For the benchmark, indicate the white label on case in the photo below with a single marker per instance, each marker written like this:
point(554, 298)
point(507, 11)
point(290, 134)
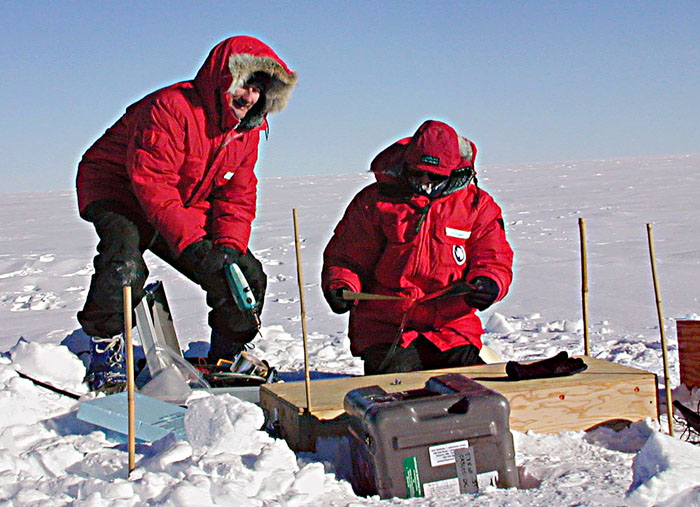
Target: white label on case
point(446, 487)
point(444, 454)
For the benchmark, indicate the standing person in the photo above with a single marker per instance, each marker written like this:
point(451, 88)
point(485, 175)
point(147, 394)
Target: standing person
point(424, 228)
point(175, 175)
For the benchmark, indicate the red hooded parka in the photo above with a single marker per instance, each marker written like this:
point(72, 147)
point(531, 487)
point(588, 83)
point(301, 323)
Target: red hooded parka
point(399, 243)
point(181, 160)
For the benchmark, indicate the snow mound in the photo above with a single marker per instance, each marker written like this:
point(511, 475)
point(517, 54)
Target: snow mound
point(666, 468)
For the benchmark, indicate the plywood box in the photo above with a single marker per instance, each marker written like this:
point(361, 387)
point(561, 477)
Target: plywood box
point(604, 392)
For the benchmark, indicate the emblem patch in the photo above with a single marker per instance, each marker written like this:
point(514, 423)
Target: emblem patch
point(430, 160)
point(459, 254)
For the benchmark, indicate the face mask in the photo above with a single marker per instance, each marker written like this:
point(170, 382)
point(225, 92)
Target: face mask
point(425, 183)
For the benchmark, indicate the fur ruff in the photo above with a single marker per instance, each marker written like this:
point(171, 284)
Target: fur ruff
point(278, 91)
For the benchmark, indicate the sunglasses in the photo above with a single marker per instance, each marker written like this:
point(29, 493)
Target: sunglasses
point(418, 174)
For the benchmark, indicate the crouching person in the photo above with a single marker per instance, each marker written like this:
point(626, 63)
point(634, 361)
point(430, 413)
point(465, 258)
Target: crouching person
point(175, 175)
point(425, 232)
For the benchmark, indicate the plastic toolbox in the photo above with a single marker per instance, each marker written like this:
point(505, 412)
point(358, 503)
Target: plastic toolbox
point(449, 437)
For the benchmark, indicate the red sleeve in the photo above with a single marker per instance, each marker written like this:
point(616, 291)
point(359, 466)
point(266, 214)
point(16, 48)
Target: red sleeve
point(355, 246)
point(488, 251)
point(234, 204)
point(154, 157)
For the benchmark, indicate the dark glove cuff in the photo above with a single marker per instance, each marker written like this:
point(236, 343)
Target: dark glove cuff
point(231, 254)
point(196, 251)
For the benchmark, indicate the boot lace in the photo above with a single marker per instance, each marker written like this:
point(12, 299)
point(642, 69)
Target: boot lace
point(114, 347)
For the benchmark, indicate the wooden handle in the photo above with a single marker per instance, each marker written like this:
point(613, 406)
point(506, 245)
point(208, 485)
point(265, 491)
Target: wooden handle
point(364, 296)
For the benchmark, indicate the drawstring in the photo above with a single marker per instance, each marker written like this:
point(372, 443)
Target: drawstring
point(422, 214)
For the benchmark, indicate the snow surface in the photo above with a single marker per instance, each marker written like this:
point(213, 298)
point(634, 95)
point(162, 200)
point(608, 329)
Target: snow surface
point(49, 457)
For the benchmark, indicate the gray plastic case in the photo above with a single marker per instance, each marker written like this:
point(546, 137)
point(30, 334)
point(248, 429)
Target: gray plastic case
point(450, 437)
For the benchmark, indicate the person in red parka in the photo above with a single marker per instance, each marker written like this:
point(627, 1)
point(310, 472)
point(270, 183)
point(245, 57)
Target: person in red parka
point(175, 175)
point(427, 236)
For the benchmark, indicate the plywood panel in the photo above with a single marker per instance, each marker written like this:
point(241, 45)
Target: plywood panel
point(605, 391)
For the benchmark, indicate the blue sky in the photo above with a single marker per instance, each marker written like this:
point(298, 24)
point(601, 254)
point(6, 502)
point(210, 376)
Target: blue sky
point(527, 81)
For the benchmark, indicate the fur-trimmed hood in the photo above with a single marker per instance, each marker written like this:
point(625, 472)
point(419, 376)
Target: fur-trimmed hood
point(228, 66)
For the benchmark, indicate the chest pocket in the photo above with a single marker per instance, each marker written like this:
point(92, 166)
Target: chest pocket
point(451, 250)
point(398, 255)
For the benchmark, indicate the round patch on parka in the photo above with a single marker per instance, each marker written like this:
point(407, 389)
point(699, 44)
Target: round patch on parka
point(459, 254)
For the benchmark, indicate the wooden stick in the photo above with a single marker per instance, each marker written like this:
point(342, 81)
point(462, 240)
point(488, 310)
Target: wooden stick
point(584, 285)
point(300, 277)
point(349, 295)
point(130, 377)
point(664, 348)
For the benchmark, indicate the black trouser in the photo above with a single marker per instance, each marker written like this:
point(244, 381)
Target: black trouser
point(123, 240)
point(421, 354)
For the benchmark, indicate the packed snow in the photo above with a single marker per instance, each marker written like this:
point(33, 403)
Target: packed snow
point(50, 457)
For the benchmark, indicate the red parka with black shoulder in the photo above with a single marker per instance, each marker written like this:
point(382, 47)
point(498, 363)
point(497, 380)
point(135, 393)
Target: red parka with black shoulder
point(180, 159)
point(399, 243)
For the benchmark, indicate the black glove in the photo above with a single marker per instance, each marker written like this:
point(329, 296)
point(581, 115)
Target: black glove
point(206, 261)
point(336, 301)
point(483, 294)
point(257, 279)
point(556, 366)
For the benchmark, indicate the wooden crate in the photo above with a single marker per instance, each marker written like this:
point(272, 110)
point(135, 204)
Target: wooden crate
point(688, 332)
point(603, 393)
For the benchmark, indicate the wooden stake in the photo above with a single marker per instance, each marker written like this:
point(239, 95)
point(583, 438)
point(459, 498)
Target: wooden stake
point(584, 285)
point(300, 277)
point(130, 377)
point(664, 348)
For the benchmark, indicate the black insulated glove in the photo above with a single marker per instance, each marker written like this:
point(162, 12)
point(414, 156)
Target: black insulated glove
point(204, 258)
point(206, 261)
point(560, 365)
point(336, 301)
point(483, 293)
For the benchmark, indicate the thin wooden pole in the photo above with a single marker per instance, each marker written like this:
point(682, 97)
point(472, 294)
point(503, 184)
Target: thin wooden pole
point(300, 277)
point(584, 285)
point(664, 348)
point(130, 377)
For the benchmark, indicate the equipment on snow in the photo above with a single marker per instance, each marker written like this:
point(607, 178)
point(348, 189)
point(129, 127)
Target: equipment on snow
point(452, 436)
point(155, 418)
point(557, 366)
point(171, 376)
point(691, 418)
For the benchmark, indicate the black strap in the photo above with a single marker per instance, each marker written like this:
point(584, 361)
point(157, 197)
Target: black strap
point(56, 390)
